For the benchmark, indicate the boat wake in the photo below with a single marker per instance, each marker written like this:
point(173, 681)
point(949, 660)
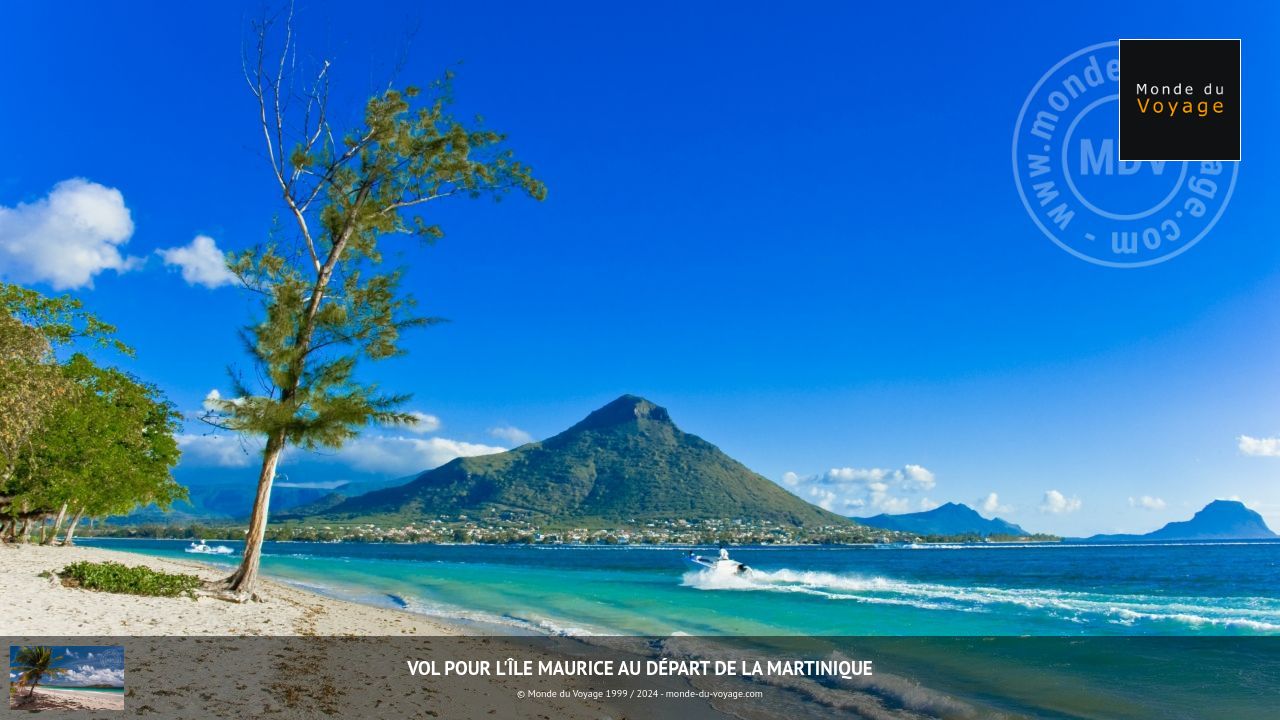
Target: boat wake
point(1136, 613)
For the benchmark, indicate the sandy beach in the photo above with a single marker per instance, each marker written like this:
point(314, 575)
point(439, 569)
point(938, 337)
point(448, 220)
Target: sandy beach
point(311, 656)
point(34, 605)
point(60, 699)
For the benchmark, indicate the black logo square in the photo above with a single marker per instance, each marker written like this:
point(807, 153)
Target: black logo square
point(1179, 100)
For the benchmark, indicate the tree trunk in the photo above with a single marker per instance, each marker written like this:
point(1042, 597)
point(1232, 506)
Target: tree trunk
point(57, 526)
point(71, 529)
point(25, 536)
point(245, 579)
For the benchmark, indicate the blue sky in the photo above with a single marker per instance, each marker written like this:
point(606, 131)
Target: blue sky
point(794, 227)
point(82, 664)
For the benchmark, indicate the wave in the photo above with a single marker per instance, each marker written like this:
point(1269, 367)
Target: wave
point(1149, 612)
point(521, 625)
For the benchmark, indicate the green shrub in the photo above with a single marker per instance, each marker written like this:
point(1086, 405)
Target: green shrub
point(117, 578)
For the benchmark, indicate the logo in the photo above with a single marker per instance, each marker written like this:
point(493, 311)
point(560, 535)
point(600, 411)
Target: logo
point(1107, 211)
point(1180, 100)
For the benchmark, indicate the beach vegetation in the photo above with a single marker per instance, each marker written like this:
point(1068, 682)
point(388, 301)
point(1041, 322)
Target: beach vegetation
point(130, 580)
point(328, 298)
point(108, 447)
point(77, 438)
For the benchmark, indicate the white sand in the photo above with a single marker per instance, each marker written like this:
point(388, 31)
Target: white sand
point(48, 699)
point(301, 676)
point(32, 605)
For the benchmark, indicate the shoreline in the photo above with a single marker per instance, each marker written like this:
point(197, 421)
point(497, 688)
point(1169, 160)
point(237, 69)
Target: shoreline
point(35, 606)
point(658, 546)
point(59, 699)
point(194, 643)
point(1064, 542)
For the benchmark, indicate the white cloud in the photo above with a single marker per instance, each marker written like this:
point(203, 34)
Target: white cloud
point(66, 238)
point(323, 485)
point(396, 455)
point(1260, 447)
point(511, 434)
point(865, 491)
point(991, 505)
point(201, 262)
point(1058, 504)
point(426, 423)
point(221, 450)
point(214, 402)
point(90, 675)
point(919, 478)
point(392, 455)
point(1147, 502)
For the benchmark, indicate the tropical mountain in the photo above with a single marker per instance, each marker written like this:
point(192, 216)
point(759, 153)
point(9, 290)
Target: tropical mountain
point(1219, 520)
point(949, 519)
point(626, 462)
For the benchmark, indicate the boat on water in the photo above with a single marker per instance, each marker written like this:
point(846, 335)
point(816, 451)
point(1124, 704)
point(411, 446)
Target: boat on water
point(718, 565)
point(204, 548)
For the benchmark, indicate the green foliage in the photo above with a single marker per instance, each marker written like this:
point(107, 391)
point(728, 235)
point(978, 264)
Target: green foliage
point(626, 462)
point(62, 320)
point(75, 436)
point(329, 300)
point(106, 448)
point(30, 387)
point(138, 580)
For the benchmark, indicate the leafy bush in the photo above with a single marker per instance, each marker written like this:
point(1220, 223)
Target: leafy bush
point(118, 578)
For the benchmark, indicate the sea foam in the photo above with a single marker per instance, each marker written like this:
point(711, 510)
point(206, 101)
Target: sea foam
point(1251, 614)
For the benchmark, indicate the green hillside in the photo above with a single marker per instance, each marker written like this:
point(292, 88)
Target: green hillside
point(625, 463)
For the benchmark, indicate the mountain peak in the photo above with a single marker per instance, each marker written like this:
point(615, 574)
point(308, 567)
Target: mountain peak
point(1219, 520)
point(624, 463)
point(948, 519)
point(625, 409)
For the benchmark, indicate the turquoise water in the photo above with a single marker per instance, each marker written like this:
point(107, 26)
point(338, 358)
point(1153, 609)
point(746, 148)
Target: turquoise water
point(1043, 590)
point(109, 691)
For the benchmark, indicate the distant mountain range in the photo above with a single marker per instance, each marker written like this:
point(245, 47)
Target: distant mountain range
point(626, 462)
point(948, 519)
point(232, 500)
point(1219, 520)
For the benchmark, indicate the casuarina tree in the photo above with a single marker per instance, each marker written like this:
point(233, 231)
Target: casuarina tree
point(329, 300)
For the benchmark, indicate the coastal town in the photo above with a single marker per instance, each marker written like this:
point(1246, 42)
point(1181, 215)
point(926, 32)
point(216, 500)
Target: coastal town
point(499, 530)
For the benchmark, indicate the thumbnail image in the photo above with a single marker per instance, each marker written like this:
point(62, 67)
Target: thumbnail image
point(66, 677)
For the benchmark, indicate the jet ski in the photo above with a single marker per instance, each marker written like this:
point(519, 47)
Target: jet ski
point(203, 548)
point(722, 564)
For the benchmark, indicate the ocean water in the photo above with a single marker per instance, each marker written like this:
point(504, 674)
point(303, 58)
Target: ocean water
point(1051, 632)
point(1178, 589)
point(74, 688)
